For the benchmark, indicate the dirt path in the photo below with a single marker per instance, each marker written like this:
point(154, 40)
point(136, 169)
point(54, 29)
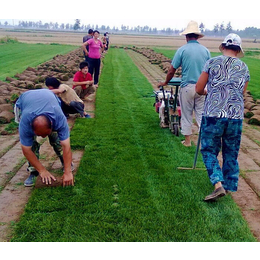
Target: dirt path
point(247, 197)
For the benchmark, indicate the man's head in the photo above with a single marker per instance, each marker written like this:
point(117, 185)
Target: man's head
point(52, 83)
point(90, 32)
point(42, 126)
point(84, 67)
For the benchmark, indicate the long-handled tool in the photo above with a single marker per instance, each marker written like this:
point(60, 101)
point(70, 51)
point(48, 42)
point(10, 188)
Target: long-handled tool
point(195, 157)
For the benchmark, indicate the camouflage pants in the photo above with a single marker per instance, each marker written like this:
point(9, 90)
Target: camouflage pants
point(217, 133)
point(54, 142)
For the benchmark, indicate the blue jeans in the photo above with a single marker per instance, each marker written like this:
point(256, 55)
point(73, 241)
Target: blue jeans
point(217, 133)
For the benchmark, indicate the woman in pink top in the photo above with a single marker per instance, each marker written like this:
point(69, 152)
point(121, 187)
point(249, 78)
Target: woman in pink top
point(95, 49)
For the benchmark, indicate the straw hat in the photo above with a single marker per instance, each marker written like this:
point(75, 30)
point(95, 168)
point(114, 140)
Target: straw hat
point(192, 27)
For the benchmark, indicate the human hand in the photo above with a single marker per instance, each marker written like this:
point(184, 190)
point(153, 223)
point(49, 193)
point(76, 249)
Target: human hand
point(161, 84)
point(47, 177)
point(67, 179)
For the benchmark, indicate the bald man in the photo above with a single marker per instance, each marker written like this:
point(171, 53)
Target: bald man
point(41, 115)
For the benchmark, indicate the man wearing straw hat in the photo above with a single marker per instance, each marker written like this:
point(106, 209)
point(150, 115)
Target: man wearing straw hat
point(192, 58)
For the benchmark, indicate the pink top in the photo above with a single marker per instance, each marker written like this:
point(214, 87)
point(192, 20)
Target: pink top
point(94, 49)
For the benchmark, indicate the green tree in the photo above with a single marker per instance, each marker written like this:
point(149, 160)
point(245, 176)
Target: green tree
point(229, 27)
point(202, 27)
point(76, 25)
point(216, 28)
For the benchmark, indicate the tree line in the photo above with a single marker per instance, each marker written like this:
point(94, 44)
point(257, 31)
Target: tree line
point(220, 29)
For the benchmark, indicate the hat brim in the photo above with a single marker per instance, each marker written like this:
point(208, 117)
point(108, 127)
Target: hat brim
point(189, 32)
point(241, 54)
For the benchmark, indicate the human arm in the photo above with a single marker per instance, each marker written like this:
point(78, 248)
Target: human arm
point(169, 76)
point(67, 178)
point(245, 88)
point(59, 90)
point(46, 176)
point(84, 46)
point(88, 83)
point(201, 83)
point(102, 47)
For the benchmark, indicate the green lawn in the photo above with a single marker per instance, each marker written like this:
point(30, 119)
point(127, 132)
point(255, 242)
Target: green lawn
point(16, 57)
point(128, 187)
point(252, 63)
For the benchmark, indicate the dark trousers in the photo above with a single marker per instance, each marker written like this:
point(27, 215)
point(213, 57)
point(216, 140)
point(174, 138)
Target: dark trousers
point(54, 142)
point(94, 69)
point(74, 108)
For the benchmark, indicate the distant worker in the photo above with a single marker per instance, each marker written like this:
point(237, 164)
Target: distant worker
point(192, 58)
point(39, 114)
point(94, 53)
point(85, 39)
point(108, 41)
point(70, 101)
point(104, 41)
point(226, 78)
point(83, 82)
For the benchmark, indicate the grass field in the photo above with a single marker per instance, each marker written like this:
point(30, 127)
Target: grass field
point(251, 59)
point(16, 57)
point(127, 186)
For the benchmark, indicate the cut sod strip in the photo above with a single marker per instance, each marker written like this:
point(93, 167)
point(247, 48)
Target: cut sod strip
point(128, 187)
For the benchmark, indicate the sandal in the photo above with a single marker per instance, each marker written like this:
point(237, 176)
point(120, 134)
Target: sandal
point(183, 142)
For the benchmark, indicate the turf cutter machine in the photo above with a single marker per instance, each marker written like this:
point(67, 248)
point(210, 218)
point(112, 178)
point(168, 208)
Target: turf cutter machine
point(167, 105)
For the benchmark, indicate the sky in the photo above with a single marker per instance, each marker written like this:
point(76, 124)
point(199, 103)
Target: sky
point(160, 14)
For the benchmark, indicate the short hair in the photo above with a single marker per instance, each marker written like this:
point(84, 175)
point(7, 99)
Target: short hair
point(231, 47)
point(52, 82)
point(83, 64)
point(96, 31)
point(192, 35)
point(47, 122)
point(90, 31)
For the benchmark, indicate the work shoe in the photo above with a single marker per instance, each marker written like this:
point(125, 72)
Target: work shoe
point(216, 194)
point(29, 182)
point(87, 116)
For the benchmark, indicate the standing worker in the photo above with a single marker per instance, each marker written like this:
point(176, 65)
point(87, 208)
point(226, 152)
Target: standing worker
point(40, 114)
point(85, 39)
point(95, 49)
point(227, 78)
point(192, 58)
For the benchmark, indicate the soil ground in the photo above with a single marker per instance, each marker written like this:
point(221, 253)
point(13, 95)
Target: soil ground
point(14, 196)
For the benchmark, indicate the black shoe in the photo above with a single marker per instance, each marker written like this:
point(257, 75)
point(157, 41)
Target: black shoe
point(216, 194)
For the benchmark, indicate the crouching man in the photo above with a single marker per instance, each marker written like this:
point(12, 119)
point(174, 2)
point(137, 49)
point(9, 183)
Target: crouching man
point(70, 102)
point(39, 114)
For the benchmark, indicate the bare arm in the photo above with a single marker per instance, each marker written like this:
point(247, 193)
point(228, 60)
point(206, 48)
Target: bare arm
point(201, 84)
point(169, 76)
point(89, 83)
point(46, 176)
point(67, 178)
point(84, 46)
point(245, 88)
point(58, 90)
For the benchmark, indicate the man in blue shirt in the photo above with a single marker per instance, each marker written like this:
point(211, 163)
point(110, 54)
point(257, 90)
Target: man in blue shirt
point(41, 115)
point(192, 58)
